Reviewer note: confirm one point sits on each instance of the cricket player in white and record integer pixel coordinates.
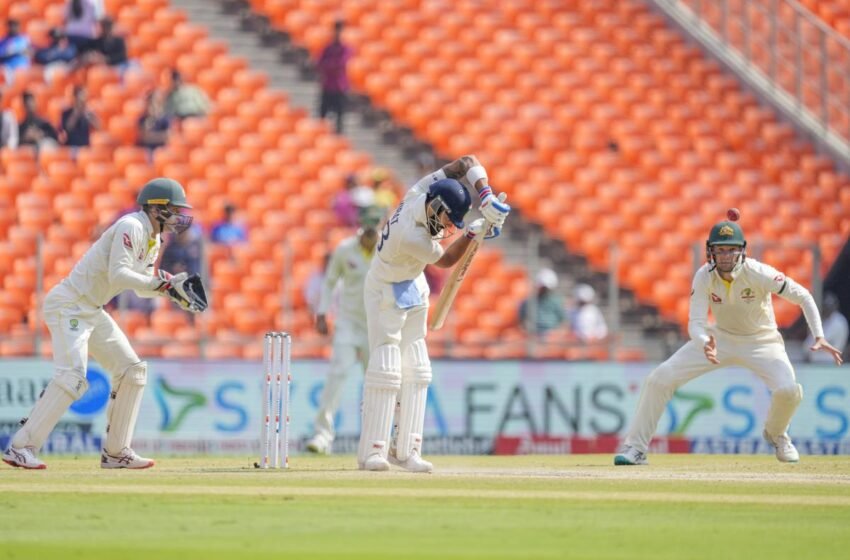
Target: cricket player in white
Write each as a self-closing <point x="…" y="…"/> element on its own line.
<point x="350" y="350"/>
<point x="121" y="259"/>
<point x="396" y="296"/>
<point x="738" y="290"/>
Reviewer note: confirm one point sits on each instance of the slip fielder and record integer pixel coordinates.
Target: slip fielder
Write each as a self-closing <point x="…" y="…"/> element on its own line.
<point x="396" y="297"/>
<point x="350" y="349"/>
<point x="738" y="291"/>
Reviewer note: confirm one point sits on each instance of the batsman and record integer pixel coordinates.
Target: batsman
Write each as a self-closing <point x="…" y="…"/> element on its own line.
<point x="396" y="298"/>
<point x="121" y="259"/>
<point x="738" y="291"/>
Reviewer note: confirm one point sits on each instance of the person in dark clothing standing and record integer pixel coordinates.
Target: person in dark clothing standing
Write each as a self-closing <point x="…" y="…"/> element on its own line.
<point x="333" y="76"/>
<point x="34" y="130"/>
<point x="78" y="121"/>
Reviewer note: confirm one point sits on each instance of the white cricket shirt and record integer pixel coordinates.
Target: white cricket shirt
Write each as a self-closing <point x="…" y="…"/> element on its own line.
<point x="744" y="307"/>
<point x="405" y="245"/>
<point x="121" y="259"/>
<point x="348" y="265"/>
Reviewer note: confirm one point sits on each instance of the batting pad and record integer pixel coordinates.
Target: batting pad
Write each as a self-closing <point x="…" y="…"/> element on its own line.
<point x="382" y="382"/>
<point x="123" y="409"/>
<point x="783" y="405"/>
<point x="49" y="408"/>
<point x="415" y="378"/>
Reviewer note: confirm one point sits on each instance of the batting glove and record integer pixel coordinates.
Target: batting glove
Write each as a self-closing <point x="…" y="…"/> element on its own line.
<point x="480" y="226"/>
<point x="493" y="209"/>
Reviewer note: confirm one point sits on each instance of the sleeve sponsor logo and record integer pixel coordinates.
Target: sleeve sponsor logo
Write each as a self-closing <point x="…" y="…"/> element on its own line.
<point x="715" y="298"/>
<point x="127" y="242"/>
<point x="779" y="278"/>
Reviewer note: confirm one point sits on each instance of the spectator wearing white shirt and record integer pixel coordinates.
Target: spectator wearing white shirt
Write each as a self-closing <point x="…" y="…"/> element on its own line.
<point x="81" y="17"/>
<point x="588" y="322"/>
<point x="8" y="127"/>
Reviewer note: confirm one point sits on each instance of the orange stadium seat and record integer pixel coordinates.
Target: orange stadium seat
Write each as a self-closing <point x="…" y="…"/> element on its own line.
<point x="576" y="93"/>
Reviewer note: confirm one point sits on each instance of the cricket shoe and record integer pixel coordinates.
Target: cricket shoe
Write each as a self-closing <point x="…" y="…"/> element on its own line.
<point x="127" y="459"/>
<point x="23" y="457"/>
<point x="785" y="450"/>
<point x="319" y="445"/>
<point x="413" y="463"/>
<point x="630" y="456"/>
<point x="375" y="462"/>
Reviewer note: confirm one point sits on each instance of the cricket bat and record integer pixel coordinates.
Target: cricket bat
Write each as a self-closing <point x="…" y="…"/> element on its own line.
<point x="447" y="296"/>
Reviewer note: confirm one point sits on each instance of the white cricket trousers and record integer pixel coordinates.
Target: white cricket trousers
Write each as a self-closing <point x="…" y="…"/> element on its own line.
<point x="398" y="366"/>
<point x="76" y="330"/>
<point x="349" y="355"/>
<point x="763" y="354"/>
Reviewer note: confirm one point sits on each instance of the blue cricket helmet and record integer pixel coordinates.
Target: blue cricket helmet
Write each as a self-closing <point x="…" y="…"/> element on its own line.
<point x="454" y="198"/>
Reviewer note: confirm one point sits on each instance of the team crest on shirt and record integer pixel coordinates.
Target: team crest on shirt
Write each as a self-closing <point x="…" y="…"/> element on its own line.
<point x="75" y="324"/>
<point x="715" y="298"/>
<point x="127" y="242"/>
<point x="747" y="295"/>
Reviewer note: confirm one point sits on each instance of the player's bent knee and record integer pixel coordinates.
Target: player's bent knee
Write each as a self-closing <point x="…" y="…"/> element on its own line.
<point x="384" y="369"/>
<point x="72" y="381"/>
<point x="136" y="374"/>
<point x="791" y="394"/>
<point x="416" y="365"/>
<point x="661" y="379"/>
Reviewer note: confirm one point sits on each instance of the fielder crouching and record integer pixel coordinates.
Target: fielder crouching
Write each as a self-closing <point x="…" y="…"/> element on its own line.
<point x="738" y="291"/>
<point x="396" y="298"/>
<point x="121" y="259"/>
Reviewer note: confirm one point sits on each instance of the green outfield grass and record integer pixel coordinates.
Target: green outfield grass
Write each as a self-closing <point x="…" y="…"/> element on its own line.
<point x="686" y="506"/>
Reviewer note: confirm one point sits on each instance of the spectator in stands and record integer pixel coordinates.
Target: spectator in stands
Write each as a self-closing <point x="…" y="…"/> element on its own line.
<point x="185" y="100"/>
<point x="385" y="192"/>
<point x="8" y="127"/>
<point x="78" y="121"/>
<point x="588" y="323"/>
<point x="81" y="18"/>
<point x="182" y="252"/>
<point x="153" y="124"/>
<point x="547" y="311"/>
<point x="34" y="130"/>
<point x="333" y="76"/>
<point x="348" y="203"/>
<point x="835" y="329"/>
<point x="228" y="231"/>
<point x="59" y="52"/>
<point x="108" y="48"/>
<point x="14" y="50"/>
